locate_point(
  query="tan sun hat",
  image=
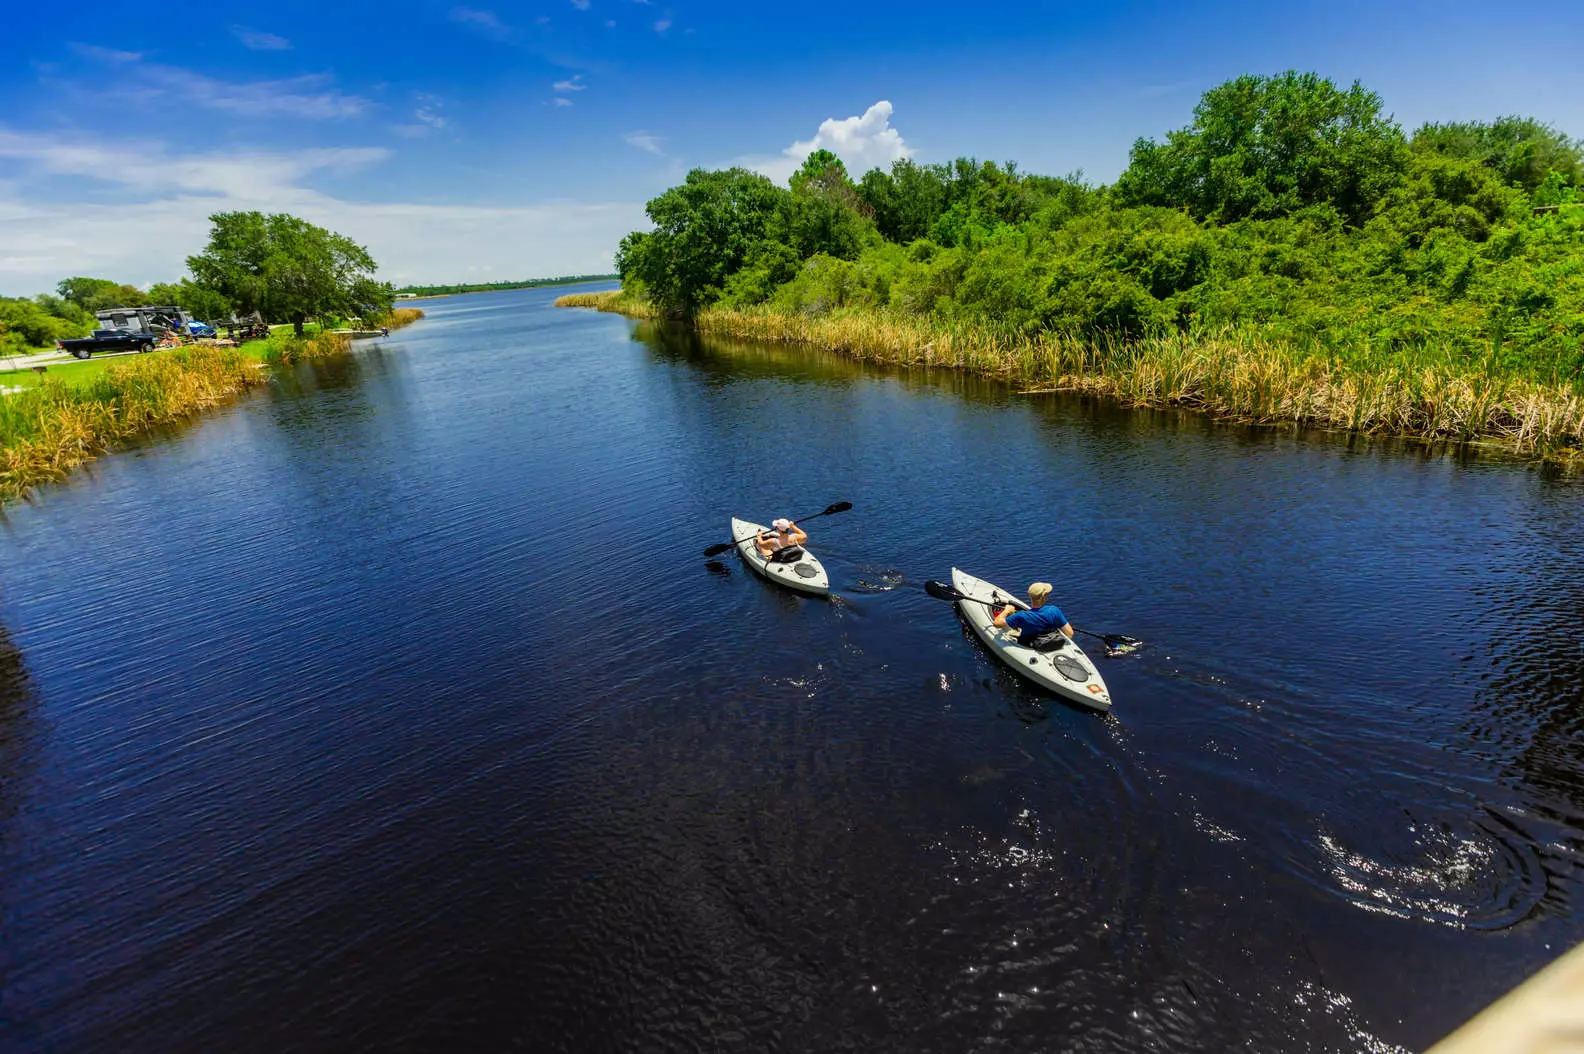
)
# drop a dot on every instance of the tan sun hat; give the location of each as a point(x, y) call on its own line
point(1039, 591)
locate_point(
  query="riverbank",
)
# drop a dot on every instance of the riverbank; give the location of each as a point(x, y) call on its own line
point(431, 292)
point(1237, 374)
point(81, 410)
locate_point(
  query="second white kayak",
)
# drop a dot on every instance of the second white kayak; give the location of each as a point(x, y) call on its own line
point(1066, 670)
point(805, 574)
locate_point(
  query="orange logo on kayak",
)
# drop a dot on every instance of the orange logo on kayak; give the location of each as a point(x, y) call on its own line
point(1096, 689)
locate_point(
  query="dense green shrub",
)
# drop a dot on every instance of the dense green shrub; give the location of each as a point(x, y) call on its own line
point(1288, 204)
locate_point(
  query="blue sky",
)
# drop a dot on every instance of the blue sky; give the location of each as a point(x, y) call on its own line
point(486, 141)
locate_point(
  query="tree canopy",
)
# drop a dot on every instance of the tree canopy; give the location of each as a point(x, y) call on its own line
point(287, 268)
point(1262, 147)
point(1288, 204)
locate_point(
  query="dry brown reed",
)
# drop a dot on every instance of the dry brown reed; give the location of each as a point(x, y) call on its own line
point(1235, 374)
point(47, 431)
point(284, 350)
point(402, 316)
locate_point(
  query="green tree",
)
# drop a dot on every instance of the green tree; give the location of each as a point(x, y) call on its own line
point(100, 294)
point(287, 268)
point(1521, 150)
point(1261, 147)
point(199, 301)
point(705, 230)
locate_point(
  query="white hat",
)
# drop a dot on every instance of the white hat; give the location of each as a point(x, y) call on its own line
point(782, 525)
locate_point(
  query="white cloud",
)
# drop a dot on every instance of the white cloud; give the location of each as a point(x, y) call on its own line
point(426, 117)
point(310, 96)
point(481, 21)
point(645, 141)
point(610, 23)
point(258, 40)
point(149, 240)
point(662, 25)
point(562, 100)
point(581, 5)
point(295, 97)
point(862, 143)
point(569, 85)
point(99, 54)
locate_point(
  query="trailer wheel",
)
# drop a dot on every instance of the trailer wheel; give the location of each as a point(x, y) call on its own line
point(82, 353)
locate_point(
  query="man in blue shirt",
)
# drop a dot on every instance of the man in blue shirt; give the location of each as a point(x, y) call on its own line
point(1039, 619)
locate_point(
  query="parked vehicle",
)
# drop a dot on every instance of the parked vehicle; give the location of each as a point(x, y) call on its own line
point(200, 329)
point(131, 329)
point(109, 340)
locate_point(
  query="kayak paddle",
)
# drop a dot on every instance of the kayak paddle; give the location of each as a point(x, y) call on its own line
point(942, 591)
point(830, 510)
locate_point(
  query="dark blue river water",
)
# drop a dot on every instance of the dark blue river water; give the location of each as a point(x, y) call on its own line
point(394, 707)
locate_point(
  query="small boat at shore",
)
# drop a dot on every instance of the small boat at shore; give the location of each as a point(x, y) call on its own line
point(1064, 669)
point(803, 573)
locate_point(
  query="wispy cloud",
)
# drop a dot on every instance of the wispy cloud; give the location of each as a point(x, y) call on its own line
point(581, 5)
point(485, 23)
point(426, 117)
point(310, 97)
point(569, 85)
point(646, 142)
point(258, 40)
point(862, 143)
point(99, 54)
point(562, 100)
point(147, 240)
point(662, 25)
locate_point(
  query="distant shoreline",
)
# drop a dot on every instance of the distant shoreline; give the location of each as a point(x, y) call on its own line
point(506, 287)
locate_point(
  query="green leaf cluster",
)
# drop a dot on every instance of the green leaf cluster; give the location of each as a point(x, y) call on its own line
point(1288, 204)
point(286, 268)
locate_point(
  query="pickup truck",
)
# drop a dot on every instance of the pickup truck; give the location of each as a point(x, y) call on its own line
point(109, 340)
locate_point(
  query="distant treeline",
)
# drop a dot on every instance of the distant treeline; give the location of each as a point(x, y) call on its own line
point(495, 287)
point(1289, 208)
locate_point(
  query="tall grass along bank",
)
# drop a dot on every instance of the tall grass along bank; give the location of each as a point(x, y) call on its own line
point(47, 431)
point(1237, 373)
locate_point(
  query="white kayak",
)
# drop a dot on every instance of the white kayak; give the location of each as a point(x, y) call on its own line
point(805, 574)
point(1066, 670)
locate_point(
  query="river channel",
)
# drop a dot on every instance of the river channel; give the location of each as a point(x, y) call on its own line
point(395, 707)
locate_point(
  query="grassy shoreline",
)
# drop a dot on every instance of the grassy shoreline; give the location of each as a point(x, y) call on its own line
point(1236, 375)
point(56, 425)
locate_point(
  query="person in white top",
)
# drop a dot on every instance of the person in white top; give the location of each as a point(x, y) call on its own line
point(784, 534)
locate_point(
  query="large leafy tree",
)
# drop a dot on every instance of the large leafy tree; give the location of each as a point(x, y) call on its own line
point(100, 294)
point(704, 230)
point(199, 301)
point(1520, 150)
point(1262, 147)
point(287, 268)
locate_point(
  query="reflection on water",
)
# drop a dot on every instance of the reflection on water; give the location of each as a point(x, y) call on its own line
point(396, 706)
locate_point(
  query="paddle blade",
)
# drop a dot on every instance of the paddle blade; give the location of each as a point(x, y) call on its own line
point(723, 547)
point(942, 591)
point(831, 510)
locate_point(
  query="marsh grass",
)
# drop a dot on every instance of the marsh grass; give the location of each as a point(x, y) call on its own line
point(286, 350)
point(1234, 374)
point(48, 430)
point(396, 318)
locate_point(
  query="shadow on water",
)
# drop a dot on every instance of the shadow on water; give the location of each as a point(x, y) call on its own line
point(19, 729)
